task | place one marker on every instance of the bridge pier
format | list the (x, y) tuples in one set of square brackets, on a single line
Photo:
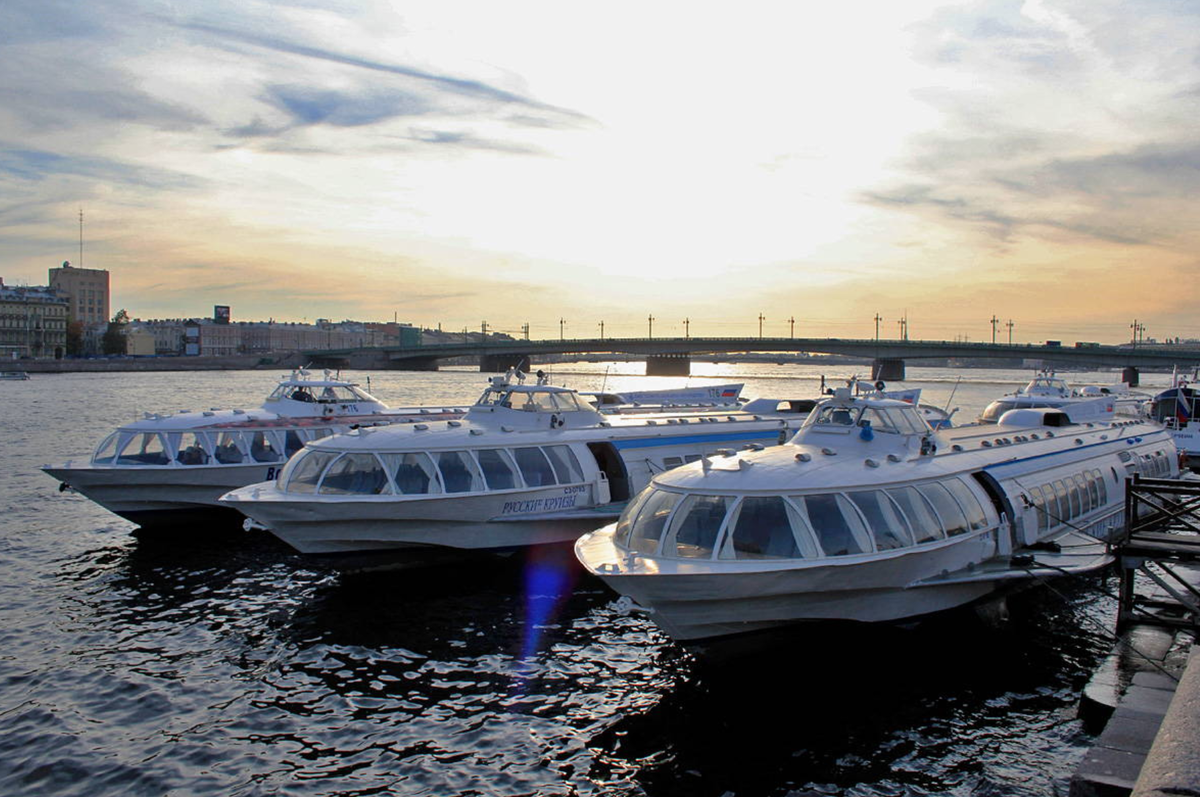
[(414, 364), (668, 365), (499, 363), (1129, 375), (887, 369)]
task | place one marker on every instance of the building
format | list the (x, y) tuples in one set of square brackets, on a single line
[(33, 322), (86, 289)]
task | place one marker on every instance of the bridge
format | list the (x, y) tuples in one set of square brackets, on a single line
[(671, 356)]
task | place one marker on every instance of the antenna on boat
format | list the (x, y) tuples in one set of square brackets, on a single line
[(950, 400), (604, 381)]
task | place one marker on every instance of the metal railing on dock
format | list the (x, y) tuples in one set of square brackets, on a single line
[(1161, 536)]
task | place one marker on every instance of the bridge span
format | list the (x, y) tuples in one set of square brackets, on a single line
[(672, 355)]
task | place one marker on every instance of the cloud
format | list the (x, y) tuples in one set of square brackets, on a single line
[(544, 113), (35, 165), (1052, 126)]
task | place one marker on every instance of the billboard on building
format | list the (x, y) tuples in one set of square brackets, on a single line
[(221, 313)]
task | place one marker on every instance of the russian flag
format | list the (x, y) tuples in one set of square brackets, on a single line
[(728, 393)]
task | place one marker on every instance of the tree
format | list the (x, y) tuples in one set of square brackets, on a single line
[(75, 339), (114, 336)]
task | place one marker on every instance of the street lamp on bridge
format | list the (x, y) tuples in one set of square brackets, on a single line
[(686, 334), (650, 319), (878, 318), (760, 320), (562, 322), (792, 327)]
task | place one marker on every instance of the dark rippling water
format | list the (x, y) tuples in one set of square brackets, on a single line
[(210, 663)]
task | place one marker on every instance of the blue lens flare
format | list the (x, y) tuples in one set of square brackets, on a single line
[(550, 574)]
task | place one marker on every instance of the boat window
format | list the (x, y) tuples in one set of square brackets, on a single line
[(1085, 498), (913, 418), (881, 420), (319, 434), (413, 474), (885, 521), (292, 442), (566, 402), (307, 471), (144, 449), (834, 415), (357, 474), (696, 525), (1073, 497), (837, 526), (951, 514), (651, 519), (763, 529), (190, 450), (566, 466), (976, 515), (262, 447), (625, 522), (535, 401), (921, 519), (497, 469), (1039, 507), (1101, 486), (106, 450), (227, 448), (672, 462), (459, 472), (535, 468), (1064, 501)]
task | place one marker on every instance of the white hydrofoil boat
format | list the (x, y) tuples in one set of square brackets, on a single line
[(529, 464), (869, 515), (173, 468)]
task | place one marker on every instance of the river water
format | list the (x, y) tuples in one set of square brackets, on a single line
[(222, 663)]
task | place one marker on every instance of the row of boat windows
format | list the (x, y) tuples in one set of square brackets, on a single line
[(329, 394), (532, 401), (422, 473), (664, 523), (900, 420), (1067, 498), (205, 448)]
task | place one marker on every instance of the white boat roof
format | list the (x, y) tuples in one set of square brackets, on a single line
[(822, 458)]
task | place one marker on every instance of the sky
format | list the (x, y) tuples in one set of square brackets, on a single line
[(564, 165)]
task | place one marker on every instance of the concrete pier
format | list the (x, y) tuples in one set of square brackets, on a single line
[(1172, 766), (1144, 702)]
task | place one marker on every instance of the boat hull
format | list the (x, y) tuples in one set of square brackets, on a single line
[(466, 522), (706, 604), (155, 496)]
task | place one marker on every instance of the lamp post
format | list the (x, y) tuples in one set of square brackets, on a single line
[(686, 333), (601, 330), (562, 322), (792, 327), (878, 318), (1010, 326), (650, 319), (760, 320), (994, 322)]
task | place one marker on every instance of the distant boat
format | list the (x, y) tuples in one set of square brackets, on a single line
[(14, 376), (1088, 403), (168, 468), (1175, 408)]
